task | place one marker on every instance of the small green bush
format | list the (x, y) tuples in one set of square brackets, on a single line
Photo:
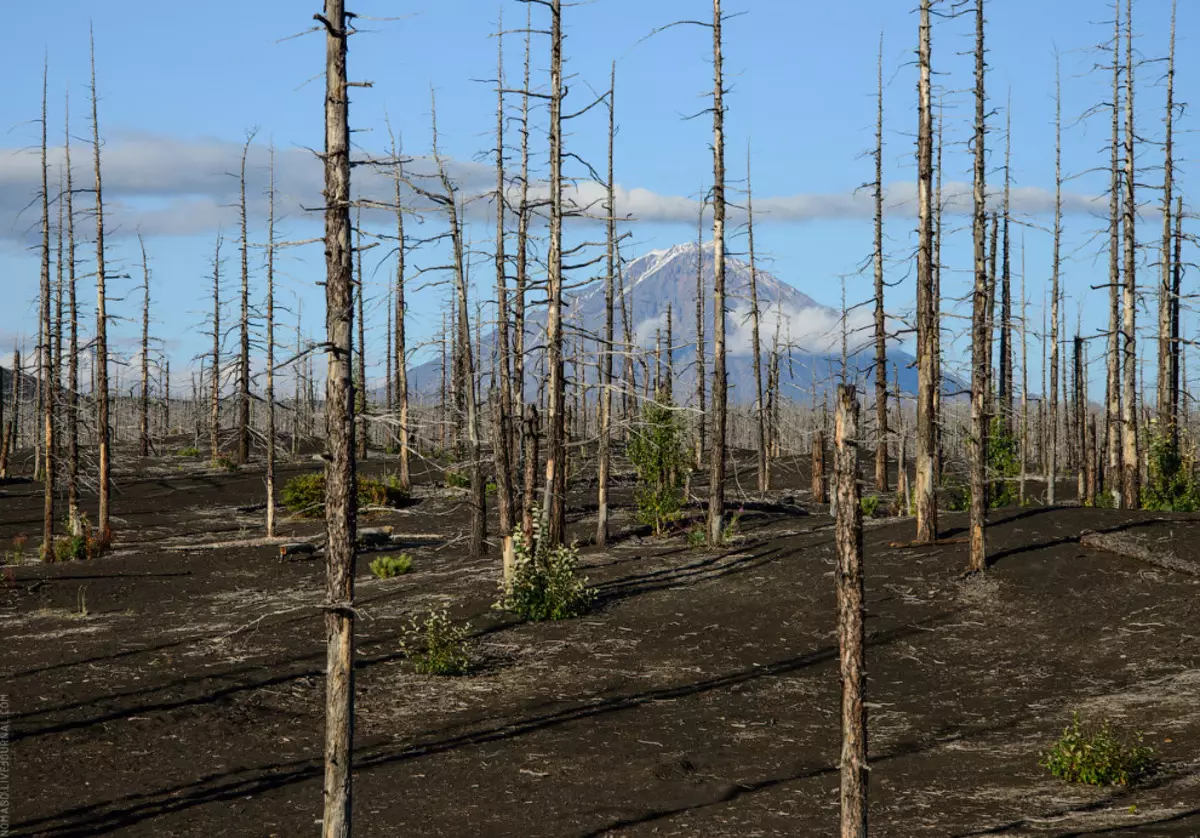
[(870, 505), (1003, 464), (733, 527), (1171, 485), (304, 494), (436, 646), (546, 584), (697, 537), (658, 454), (457, 479), (190, 451), (387, 567), (1097, 756), (224, 464), (77, 547)]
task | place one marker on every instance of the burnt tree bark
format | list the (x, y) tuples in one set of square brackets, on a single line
[(881, 386), (716, 473), (980, 354), (927, 344), (104, 478)]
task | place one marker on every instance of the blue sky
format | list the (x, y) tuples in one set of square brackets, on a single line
[(181, 83)]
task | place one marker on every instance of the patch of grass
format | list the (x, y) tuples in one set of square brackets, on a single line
[(546, 584), (1096, 755), (437, 646), (870, 505), (388, 567), (190, 451), (304, 494), (733, 528)]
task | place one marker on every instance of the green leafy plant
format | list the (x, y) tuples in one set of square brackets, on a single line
[(436, 645), (387, 567), (1171, 485), (84, 545), (870, 505), (697, 537), (224, 464), (1097, 755), (658, 454), (190, 451), (457, 479), (546, 584), (304, 494), (1003, 463), (733, 527)]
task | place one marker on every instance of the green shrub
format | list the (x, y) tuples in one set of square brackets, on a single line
[(733, 527), (1171, 485), (190, 451), (658, 454), (697, 537), (457, 479), (1097, 756), (546, 584), (387, 567), (77, 547), (224, 464), (436, 646), (304, 494), (1003, 463), (870, 505)]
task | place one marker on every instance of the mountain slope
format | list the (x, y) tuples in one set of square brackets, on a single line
[(807, 333)]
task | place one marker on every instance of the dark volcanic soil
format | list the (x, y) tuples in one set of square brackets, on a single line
[(167, 690)]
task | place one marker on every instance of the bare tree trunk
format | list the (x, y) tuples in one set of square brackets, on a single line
[(340, 477), (1006, 344), (360, 345), (818, 466), (980, 356), (104, 478), (270, 475), (554, 505), (401, 345), (73, 516), (1024, 381), (9, 442), (1129, 442), (243, 418), (881, 388), (144, 425), (606, 349), (756, 350), (1166, 301), (504, 474), (937, 310), (521, 278), (716, 474), (1177, 347), (851, 618), (1112, 429), (49, 377), (926, 499), (214, 414), (1052, 470), (530, 476), (701, 348)]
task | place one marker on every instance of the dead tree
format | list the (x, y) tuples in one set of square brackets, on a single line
[(72, 395), (926, 499), (214, 410), (764, 474), (606, 348), (1005, 384), (818, 466), (144, 424), (554, 508), (1024, 382), (716, 473), (520, 278), (1112, 430), (270, 394), (1167, 302), (1052, 470), (701, 372), (243, 416), (1131, 474), (360, 345), (104, 479), (48, 374), (980, 356), (398, 324), (340, 477), (503, 410), (851, 617), (881, 388)]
